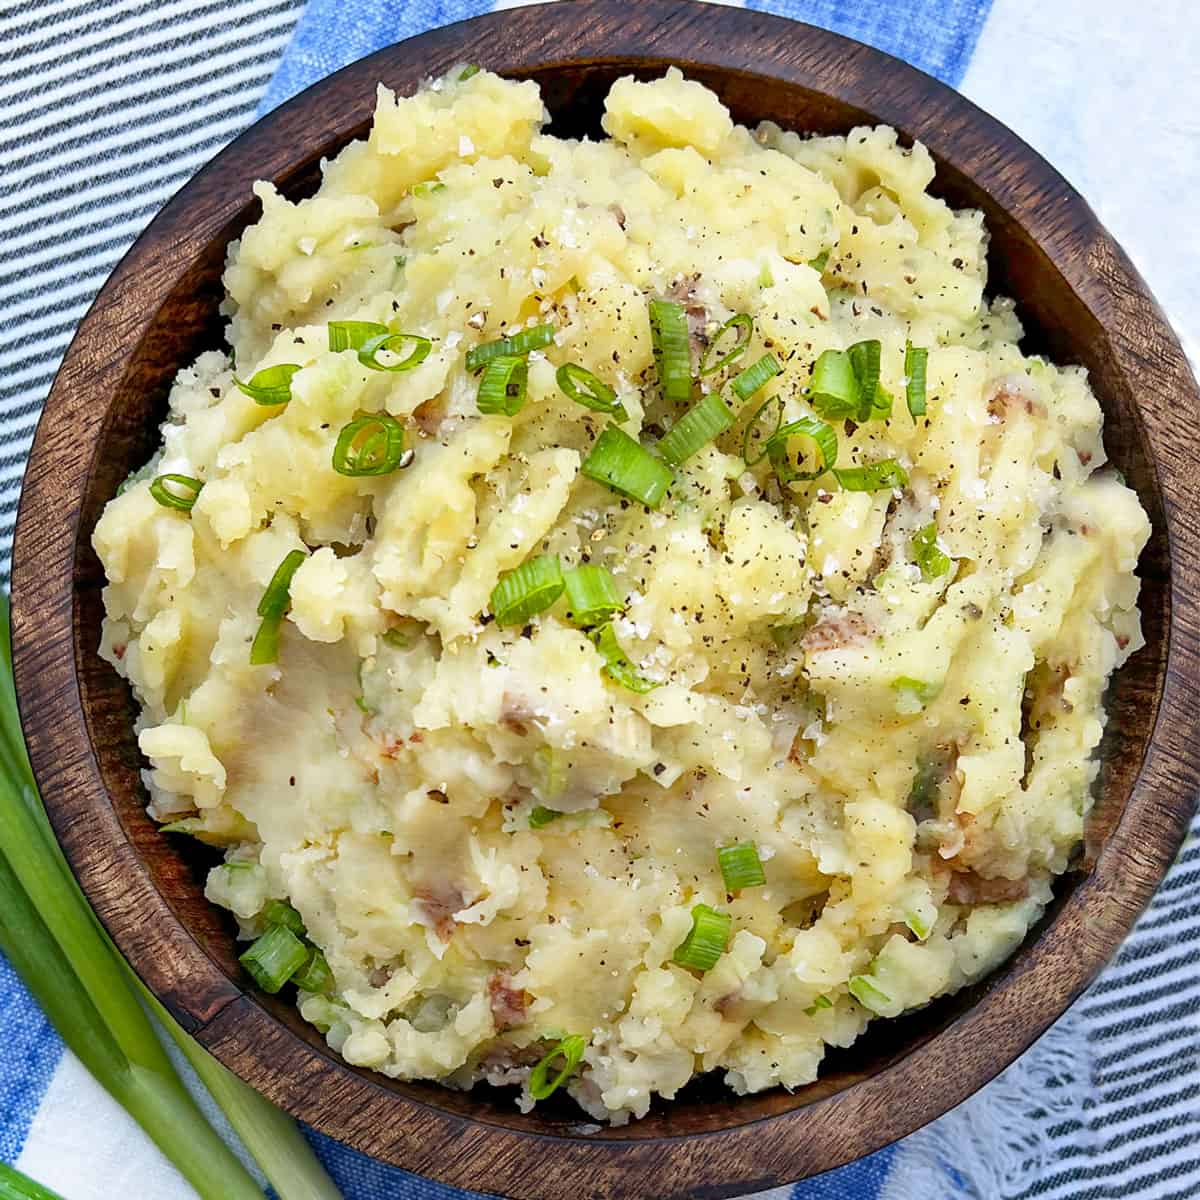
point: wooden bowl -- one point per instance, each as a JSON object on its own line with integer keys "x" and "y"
{"x": 1082, "y": 302}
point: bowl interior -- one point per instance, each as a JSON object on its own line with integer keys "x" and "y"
{"x": 1057, "y": 322}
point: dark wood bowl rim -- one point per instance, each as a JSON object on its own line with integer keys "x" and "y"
{"x": 422, "y": 1137}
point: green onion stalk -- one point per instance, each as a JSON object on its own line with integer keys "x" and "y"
{"x": 15, "y": 1186}
{"x": 54, "y": 942}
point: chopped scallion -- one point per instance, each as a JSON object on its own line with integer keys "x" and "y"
{"x": 845, "y": 383}
{"x": 706, "y": 420}
{"x": 819, "y": 1003}
{"x": 570, "y": 1052}
{"x": 580, "y": 385}
{"x": 274, "y": 601}
{"x": 551, "y": 764}
{"x": 914, "y": 694}
{"x": 274, "y": 958}
{"x": 747, "y": 382}
{"x": 623, "y": 464}
{"x": 540, "y": 816}
{"x": 616, "y": 663}
{"x": 315, "y": 976}
{"x": 743, "y": 325}
{"x": 928, "y": 555}
{"x": 351, "y": 335}
{"x": 515, "y": 345}
{"x": 706, "y": 940}
{"x": 672, "y": 349}
{"x": 160, "y": 489}
{"x": 820, "y": 434}
{"x": 864, "y": 358}
{"x": 371, "y": 444}
{"x": 916, "y": 359}
{"x": 271, "y": 385}
{"x": 592, "y": 595}
{"x": 741, "y": 867}
{"x": 528, "y": 590}
{"x": 864, "y": 989}
{"x": 502, "y": 387}
{"x": 819, "y": 263}
{"x": 920, "y": 927}
{"x": 280, "y": 912}
{"x": 754, "y": 431}
{"x": 834, "y": 387}
{"x": 467, "y": 71}
{"x": 887, "y": 473}
{"x": 394, "y": 343}
{"x": 271, "y": 608}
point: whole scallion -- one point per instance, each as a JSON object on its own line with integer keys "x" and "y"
{"x": 15, "y": 1186}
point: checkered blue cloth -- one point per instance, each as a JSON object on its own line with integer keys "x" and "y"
{"x": 107, "y": 106}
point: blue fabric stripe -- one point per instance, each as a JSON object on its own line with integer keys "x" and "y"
{"x": 938, "y": 36}
{"x": 862, "y": 1180}
{"x": 31, "y": 1052}
{"x": 331, "y": 34}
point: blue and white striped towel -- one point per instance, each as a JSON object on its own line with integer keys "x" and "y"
{"x": 107, "y": 106}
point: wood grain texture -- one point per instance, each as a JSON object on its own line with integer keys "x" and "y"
{"x": 1081, "y": 301}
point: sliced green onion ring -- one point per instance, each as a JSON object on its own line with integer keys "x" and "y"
{"x": 672, "y": 349}
{"x": 371, "y": 444}
{"x": 819, "y": 1003}
{"x": 592, "y": 595}
{"x": 527, "y": 590}
{"x": 624, "y": 465}
{"x": 160, "y": 489}
{"x": 747, "y": 382}
{"x": 274, "y": 958}
{"x": 467, "y": 71}
{"x": 819, "y": 263}
{"x": 540, "y": 816}
{"x": 753, "y": 431}
{"x": 580, "y": 385}
{"x": 516, "y": 344}
{"x": 820, "y": 434}
{"x": 916, "y": 359}
{"x": 706, "y": 420}
{"x": 706, "y": 941}
{"x": 741, "y": 867}
{"x": 928, "y": 555}
{"x": 743, "y": 323}
{"x": 617, "y": 666}
{"x": 271, "y": 385}
{"x": 393, "y": 343}
{"x": 350, "y": 335}
{"x": 502, "y": 387}
{"x": 570, "y": 1050}
{"x": 887, "y": 473}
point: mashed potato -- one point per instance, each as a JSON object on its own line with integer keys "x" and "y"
{"x": 497, "y": 827}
